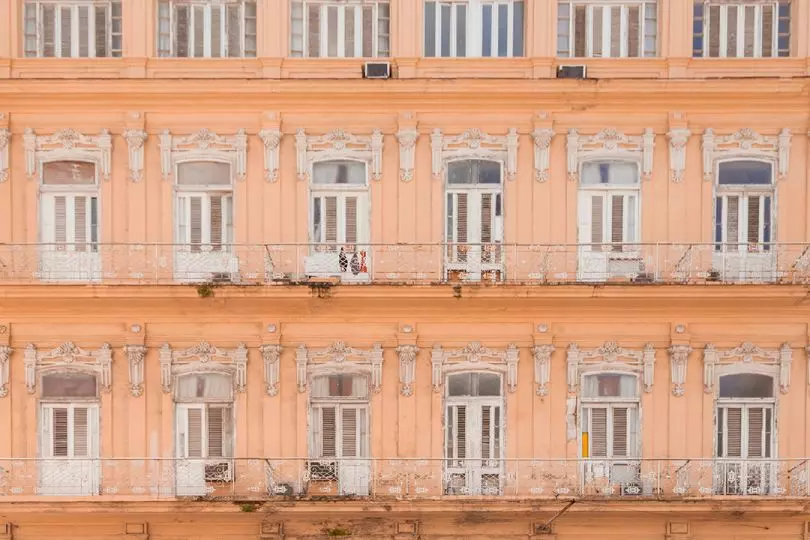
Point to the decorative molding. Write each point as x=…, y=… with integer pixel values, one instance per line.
x=407, y=368
x=407, y=153
x=611, y=143
x=68, y=355
x=610, y=356
x=475, y=144
x=136, y=354
x=745, y=355
x=5, y=140
x=338, y=358
x=571, y=418
x=271, y=139
x=271, y=354
x=5, y=355
x=135, y=142
x=542, y=367
x=678, y=137
x=204, y=145
x=678, y=361
x=542, y=143
x=470, y=357
x=746, y=143
x=202, y=358
x=338, y=144
x=67, y=144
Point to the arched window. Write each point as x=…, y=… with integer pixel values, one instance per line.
x=743, y=212
x=474, y=432
x=204, y=206
x=610, y=416
x=474, y=218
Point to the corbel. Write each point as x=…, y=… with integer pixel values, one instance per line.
x=271, y=135
x=407, y=134
x=542, y=134
x=271, y=356
x=407, y=351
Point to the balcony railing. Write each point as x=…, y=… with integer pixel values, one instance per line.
x=404, y=479
x=406, y=263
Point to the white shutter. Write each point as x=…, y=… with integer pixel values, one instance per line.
x=330, y=218
x=216, y=221
x=325, y=431
x=215, y=432
x=81, y=447
x=620, y=436
x=591, y=219
x=349, y=432
x=598, y=432
x=350, y=217
x=195, y=227
x=456, y=432
x=490, y=432
x=190, y=431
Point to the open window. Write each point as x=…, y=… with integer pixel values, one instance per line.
x=205, y=29
x=72, y=28
x=607, y=29
x=741, y=29
x=474, y=28
x=340, y=28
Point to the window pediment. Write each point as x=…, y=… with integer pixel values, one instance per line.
x=67, y=145
x=204, y=145
x=338, y=358
x=610, y=143
x=68, y=356
x=336, y=145
x=474, y=144
x=472, y=357
x=610, y=357
x=746, y=143
x=202, y=358
x=747, y=357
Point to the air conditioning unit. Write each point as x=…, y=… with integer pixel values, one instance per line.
x=571, y=72
x=224, y=277
x=218, y=472
x=377, y=70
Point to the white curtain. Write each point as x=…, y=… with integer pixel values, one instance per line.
x=627, y=386
x=209, y=385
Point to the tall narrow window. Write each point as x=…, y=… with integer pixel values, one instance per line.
x=206, y=29
x=602, y=29
x=474, y=429
x=72, y=28
x=474, y=28
x=340, y=28
x=741, y=28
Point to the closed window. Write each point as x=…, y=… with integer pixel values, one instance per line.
x=72, y=29
x=341, y=28
x=609, y=205
x=610, y=417
x=741, y=29
x=606, y=29
x=474, y=28
x=204, y=415
x=743, y=213
x=69, y=206
x=339, y=205
x=206, y=29
x=204, y=206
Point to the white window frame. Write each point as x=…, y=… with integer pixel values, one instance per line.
x=340, y=7
x=74, y=6
x=743, y=191
x=624, y=41
x=340, y=191
x=70, y=405
x=609, y=403
x=204, y=405
x=48, y=194
x=631, y=232
x=196, y=8
x=741, y=8
x=474, y=37
x=183, y=195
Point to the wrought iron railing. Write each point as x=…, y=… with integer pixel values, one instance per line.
x=260, y=478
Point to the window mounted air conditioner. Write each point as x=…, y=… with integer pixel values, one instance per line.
x=377, y=70
x=571, y=72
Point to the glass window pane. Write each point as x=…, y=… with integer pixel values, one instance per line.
x=610, y=385
x=517, y=42
x=461, y=30
x=63, y=173
x=68, y=385
x=503, y=30
x=430, y=28
x=203, y=173
x=339, y=172
x=489, y=172
x=746, y=385
x=489, y=384
x=745, y=172
x=486, y=45
x=446, y=28
x=459, y=384
x=204, y=386
x=609, y=172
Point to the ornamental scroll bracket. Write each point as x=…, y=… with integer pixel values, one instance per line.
x=678, y=362
x=407, y=153
x=68, y=356
x=747, y=357
x=746, y=143
x=136, y=355
x=136, y=138
x=678, y=138
x=271, y=140
x=68, y=144
x=339, y=358
x=338, y=144
x=204, y=145
x=474, y=356
x=5, y=356
x=407, y=368
x=542, y=367
x=202, y=358
x=474, y=144
x=542, y=144
x=611, y=143
x=610, y=356
x=271, y=354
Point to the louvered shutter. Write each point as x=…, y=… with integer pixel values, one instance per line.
x=731, y=30
x=215, y=431
x=314, y=31
x=234, y=29
x=462, y=217
x=368, y=31
x=60, y=434
x=754, y=216
x=84, y=31
x=48, y=30
x=615, y=16
x=66, y=30
x=194, y=432
x=330, y=220
x=733, y=219
x=617, y=212
x=350, y=32
x=580, y=31
x=634, y=31
x=767, y=31
x=713, y=27
x=81, y=432
x=351, y=217
x=102, y=31
x=81, y=227
x=60, y=219
x=198, y=29
x=733, y=426
x=216, y=221
x=598, y=432
x=195, y=222
x=621, y=432
x=328, y=432
x=349, y=428
x=490, y=432
x=756, y=436
x=46, y=431
x=182, y=30
x=487, y=217
x=457, y=432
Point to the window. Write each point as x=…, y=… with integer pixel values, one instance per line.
x=72, y=29
x=607, y=29
x=207, y=28
x=69, y=206
x=743, y=206
x=737, y=29
x=341, y=28
x=204, y=206
x=608, y=205
x=474, y=28
x=609, y=424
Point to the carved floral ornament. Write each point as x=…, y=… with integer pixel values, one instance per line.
x=5, y=356
x=610, y=143
x=204, y=145
x=136, y=138
x=678, y=362
x=271, y=140
x=136, y=355
x=542, y=367
x=5, y=139
x=678, y=137
x=338, y=144
x=202, y=358
x=67, y=144
x=407, y=368
x=338, y=358
x=610, y=356
x=270, y=355
x=68, y=356
x=407, y=152
x=474, y=144
x=542, y=145
x=751, y=358
x=746, y=143
x=474, y=356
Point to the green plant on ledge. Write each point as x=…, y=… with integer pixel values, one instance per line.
x=337, y=531
x=248, y=507
x=205, y=290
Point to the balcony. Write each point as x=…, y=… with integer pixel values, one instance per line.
x=535, y=264
x=403, y=479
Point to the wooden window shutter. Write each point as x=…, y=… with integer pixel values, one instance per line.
x=617, y=222
x=194, y=432
x=597, y=13
x=754, y=211
x=81, y=432
x=634, y=31
x=580, y=31
x=216, y=30
x=350, y=33
x=460, y=441
x=182, y=30
x=48, y=30
x=597, y=218
x=195, y=221
x=486, y=218
x=46, y=431
x=102, y=31
x=314, y=31
x=733, y=431
x=80, y=223
x=351, y=220
x=461, y=219
x=756, y=427
x=733, y=220
x=59, y=433
x=713, y=27
x=331, y=219
x=217, y=222
x=234, y=29
x=348, y=432
x=750, y=13
x=215, y=426
x=487, y=424
x=60, y=219
x=767, y=31
x=328, y=435
x=621, y=419
x=598, y=432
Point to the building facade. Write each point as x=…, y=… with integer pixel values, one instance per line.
x=545, y=279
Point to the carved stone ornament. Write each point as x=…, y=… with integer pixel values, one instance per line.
x=203, y=358
x=475, y=144
x=5, y=140
x=204, y=145
x=611, y=143
x=746, y=144
x=407, y=368
x=678, y=361
x=407, y=153
x=542, y=143
x=68, y=356
x=5, y=356
x=271, y=139
x=271, y=354
x=136, y=355
x=747, y=357
x=542, y=367
x=678, y=137
x=136, y=138
x=610, y=356
x=474, y=356
x=338, y=358
x=338, y=144
x=67, y=144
